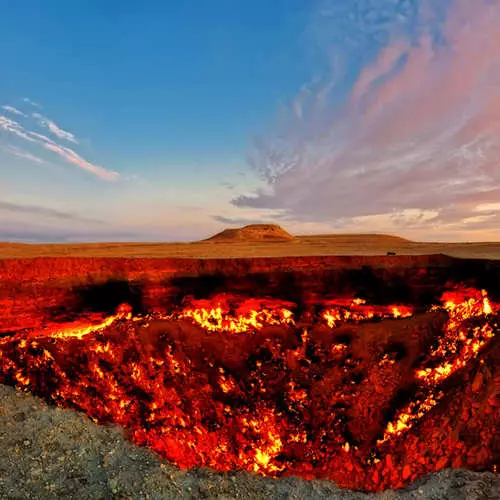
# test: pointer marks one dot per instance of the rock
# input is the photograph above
(494, 400)
(477, 383)
(442, 463)
(406, 472)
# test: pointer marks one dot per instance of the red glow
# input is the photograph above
(238, 384)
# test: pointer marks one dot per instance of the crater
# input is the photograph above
(339, 368)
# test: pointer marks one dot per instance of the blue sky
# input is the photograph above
(169, 121)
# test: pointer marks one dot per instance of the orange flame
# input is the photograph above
(457, 347)
(356, 310)
(197, 411)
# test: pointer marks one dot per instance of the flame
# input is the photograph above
(460, 343)
(251, 314)
(260, 407)
(124, 312)
(355, 310)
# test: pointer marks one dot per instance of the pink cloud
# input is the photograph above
(420, 131)
(385, 62)
(74, 158)
(57, 131)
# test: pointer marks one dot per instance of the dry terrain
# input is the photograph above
(341, 244)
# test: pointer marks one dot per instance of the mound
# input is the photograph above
(252, 232)
(360, 238)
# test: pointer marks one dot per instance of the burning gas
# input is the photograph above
(341, 311)
(251, 314)
(232, 383)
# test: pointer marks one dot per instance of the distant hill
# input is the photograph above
(372, 238)
(252, 232)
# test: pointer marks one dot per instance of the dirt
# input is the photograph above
(50, 453)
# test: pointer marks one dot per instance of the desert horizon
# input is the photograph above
(234, 245)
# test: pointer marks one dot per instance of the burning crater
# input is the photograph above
(320, 373)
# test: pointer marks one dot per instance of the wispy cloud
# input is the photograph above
(237, 221)
(36, 139)
(14, 111)
(11, 126)
(72, 157)
(26, 232)
(21, 153)
(418, 132)
(42, 137)
(57, 131)
(33, 103)
(17, 208)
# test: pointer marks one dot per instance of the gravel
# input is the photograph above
(47, 452)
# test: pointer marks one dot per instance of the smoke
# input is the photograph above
(406, 119)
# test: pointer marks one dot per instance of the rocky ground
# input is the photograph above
(47, 452)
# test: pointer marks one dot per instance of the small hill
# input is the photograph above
(252, 232)
(376, 238)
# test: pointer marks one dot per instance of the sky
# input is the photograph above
(170, 121)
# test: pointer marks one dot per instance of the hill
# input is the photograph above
(252, 232)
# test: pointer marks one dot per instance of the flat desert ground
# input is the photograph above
(352, 244)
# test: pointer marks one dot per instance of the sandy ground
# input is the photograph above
(50, 453)
(299, 246)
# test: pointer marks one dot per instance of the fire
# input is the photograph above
(251, 314)
(232, 393)
(460, 343)
(356, 310)
(410, 415)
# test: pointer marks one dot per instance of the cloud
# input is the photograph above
(72, 157)
(14, 111)
(33, 103)
(11, 126)
(488, 207)
(57, 131)
(236, 221)
(42, 137)
(21, 153)
(417, 132)
(16, 208)
(28, 232)
(66, 153)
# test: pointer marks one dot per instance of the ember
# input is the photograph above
(234, 383)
